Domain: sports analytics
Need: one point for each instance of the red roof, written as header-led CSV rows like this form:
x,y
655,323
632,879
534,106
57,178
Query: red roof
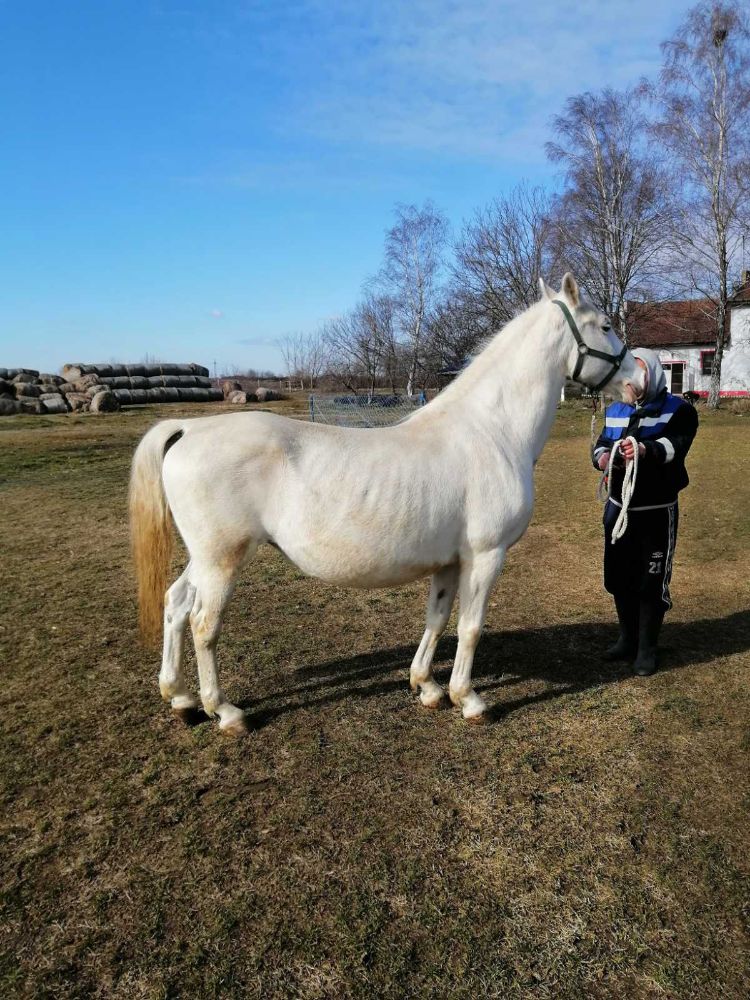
x,y
675,324
667,324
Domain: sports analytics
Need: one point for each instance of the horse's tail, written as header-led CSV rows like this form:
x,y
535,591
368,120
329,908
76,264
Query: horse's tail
x,y
151,526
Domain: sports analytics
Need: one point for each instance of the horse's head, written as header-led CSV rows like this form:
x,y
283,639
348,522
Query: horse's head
x,y
596,357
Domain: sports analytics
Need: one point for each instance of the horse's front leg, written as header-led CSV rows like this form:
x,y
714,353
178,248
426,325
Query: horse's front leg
x,y
442,594
478,574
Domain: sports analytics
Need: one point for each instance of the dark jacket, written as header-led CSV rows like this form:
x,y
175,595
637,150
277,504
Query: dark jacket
x,y
666,426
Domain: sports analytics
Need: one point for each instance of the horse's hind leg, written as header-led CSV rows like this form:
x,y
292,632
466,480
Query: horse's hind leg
x,y
442,594
177,608
478,575
214,583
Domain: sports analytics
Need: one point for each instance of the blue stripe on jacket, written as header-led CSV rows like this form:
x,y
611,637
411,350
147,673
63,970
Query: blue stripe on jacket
x,y
653,420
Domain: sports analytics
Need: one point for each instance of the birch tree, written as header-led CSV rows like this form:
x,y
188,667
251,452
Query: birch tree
x,y
611,216
414,249
704,123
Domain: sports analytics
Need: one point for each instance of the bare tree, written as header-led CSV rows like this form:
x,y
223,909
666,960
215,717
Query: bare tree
x,y
610,218
704,124
455,329
304,357
502,253
359,343
414,249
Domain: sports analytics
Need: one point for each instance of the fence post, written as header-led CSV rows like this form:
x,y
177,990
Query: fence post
x,y
312,409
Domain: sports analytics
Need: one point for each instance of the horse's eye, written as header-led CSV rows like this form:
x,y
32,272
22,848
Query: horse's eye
x,y
606,328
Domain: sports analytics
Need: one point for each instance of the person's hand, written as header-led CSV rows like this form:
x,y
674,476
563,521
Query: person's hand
x,y
628,450
603,461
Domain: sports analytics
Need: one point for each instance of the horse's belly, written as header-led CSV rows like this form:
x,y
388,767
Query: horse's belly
x,y
374,563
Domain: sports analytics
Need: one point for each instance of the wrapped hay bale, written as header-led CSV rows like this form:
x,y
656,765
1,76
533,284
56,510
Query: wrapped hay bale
x,y
156,395
9,406
29,405
50,379
136,371
5,386
105,402
229,386
48,387
214,395
203,382
25,377
53,402
27,389
237,396
170,381
77,401
171,395
265,395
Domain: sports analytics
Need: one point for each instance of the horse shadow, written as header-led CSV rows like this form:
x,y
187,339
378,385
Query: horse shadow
x,y
566,657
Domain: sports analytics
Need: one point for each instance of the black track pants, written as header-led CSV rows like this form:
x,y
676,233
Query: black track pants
x,y
641,561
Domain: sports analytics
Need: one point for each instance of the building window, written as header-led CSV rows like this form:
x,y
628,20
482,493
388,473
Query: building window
x,y
707,362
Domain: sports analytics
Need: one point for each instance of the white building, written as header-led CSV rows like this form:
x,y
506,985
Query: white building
x,y
684,336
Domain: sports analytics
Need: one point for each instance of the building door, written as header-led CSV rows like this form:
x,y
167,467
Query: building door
x,y
674,370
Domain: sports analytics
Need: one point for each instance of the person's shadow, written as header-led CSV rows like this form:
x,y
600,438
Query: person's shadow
x,y
567,657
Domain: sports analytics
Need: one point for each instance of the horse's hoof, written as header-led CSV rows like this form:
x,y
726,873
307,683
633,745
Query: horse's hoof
x,y
476,720
235,725
432,696
473,708
236,729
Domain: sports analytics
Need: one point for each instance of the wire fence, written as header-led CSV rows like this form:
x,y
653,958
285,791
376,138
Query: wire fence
x,y
364,410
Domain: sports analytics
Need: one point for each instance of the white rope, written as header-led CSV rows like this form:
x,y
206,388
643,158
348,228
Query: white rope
x,y
604,490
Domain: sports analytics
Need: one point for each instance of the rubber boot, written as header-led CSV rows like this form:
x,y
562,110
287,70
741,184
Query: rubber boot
x,y
651,617
627,615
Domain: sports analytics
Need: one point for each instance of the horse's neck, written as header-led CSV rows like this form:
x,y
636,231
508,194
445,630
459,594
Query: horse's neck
x,y
516,381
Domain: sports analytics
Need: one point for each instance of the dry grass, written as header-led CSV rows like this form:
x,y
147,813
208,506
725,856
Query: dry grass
x,y
591,842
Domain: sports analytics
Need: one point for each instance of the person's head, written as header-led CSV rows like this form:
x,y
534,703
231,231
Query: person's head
x,y
656,380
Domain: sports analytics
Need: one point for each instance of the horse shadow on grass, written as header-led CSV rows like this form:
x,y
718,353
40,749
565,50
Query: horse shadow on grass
x,y
566,657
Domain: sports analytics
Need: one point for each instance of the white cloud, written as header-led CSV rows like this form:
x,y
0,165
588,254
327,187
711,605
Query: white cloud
x,y
217,313
478,79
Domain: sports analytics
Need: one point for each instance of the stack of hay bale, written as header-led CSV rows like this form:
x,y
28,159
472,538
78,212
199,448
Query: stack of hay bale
x,y
23,390
133,385
103,388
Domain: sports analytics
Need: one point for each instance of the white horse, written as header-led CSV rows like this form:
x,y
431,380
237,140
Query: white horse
x,y
444,493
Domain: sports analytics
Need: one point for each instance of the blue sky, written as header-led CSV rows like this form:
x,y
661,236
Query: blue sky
x,y
190,181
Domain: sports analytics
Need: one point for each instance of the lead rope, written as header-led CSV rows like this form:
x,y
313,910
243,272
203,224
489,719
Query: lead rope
x,y
604,489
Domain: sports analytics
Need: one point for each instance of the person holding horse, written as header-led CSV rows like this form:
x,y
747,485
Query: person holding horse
x,y
638,562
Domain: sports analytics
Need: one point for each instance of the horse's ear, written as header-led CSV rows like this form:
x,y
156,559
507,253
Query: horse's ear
x,y
547,292
570,289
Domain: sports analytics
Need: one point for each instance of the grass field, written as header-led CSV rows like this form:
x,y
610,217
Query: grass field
x,y
590,842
